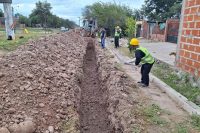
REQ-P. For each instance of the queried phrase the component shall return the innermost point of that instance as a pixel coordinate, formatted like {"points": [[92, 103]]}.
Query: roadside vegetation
{"points": [[21, 38], [154, 115], [181, 84]]}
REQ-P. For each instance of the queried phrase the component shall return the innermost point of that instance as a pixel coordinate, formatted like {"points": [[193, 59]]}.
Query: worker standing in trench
{"points": [[142, 56]]}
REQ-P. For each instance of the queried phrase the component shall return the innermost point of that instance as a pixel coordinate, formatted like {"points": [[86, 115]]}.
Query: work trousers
{"points": [[103, 42], [145, 70], [116, 41]]}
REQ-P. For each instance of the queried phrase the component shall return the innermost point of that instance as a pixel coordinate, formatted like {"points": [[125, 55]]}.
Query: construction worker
{"points": [[117, 36], [145, 58], [91, 25], [103, 37]]}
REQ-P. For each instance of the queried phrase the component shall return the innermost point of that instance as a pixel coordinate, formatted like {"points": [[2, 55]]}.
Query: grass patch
{"points": [[135, 129], [153, 115], [125, 52], [182, 85], [195, 121], [181, 128], [9, 45]]}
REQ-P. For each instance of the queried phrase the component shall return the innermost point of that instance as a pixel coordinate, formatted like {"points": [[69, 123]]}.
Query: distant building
{"points": [[158, 31]]}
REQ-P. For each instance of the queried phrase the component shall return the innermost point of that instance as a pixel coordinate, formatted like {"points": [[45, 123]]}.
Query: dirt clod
{"points": [[4, 130]]}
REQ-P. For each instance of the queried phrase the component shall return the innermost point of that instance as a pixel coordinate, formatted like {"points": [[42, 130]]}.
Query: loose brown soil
{"points": [[93, 105]]}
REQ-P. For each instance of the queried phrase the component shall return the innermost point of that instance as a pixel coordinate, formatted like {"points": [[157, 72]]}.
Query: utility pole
{"points": [[9, 25]]}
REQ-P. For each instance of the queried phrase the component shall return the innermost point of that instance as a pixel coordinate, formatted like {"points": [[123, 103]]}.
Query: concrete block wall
{"points": [[188, 49]]}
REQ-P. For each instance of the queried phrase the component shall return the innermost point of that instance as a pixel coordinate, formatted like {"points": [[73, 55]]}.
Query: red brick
{"points": [[191, 25], [186, 3], [186, 47], [196, 64], [197, 2], [199, 58], [188, 32], [187, 11], [197, 25], [183, 39], [193, 10], [197, 49], [181, 53], [185, 25], [187, 68], [196, 41], [189, 40], [187, 54], [189, 62], [195, 17], [194, 56], [192, 70], [191, 3], [185, 19], [191, 17], [182, 60], [191, 48], [195, 33]]}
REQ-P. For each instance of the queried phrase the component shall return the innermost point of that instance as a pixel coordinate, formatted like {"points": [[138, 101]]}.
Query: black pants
{"points": [[145, 70], [116, 41]]}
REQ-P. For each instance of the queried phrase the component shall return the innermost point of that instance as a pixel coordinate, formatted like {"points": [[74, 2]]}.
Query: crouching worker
{"points": [[142, 56]]}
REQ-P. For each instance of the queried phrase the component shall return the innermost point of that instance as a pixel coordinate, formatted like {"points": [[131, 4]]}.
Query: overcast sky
{"points": [[68, 9]]}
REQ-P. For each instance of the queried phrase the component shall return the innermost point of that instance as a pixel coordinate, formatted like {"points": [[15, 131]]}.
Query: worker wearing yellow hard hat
{"points": [[142, 56]]}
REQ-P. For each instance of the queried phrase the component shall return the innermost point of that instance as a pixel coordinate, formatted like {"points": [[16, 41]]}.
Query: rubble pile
{"points": [[39, 83]]}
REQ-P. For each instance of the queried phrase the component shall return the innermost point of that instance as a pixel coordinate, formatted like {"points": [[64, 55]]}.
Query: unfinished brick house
{"points": [[159, 31], [188, 49]]}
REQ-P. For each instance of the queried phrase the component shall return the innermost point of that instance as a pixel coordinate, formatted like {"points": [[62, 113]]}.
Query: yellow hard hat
{"points": [[117, 27], [134, 42]]}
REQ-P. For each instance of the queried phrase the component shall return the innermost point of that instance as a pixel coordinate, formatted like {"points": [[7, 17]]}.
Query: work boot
{"points": [[142, 85]]}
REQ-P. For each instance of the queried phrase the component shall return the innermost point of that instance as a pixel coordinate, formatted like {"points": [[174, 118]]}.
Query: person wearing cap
{"points": [[103, 37], [117, 36], [142, 56]]}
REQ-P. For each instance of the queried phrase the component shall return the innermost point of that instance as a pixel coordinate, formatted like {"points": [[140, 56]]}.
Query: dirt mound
{"points": [[123, 96], [46, 83], [39, 82]]}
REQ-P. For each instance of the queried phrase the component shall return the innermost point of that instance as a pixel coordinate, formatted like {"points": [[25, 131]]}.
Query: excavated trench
{"points": [[93, 105]]}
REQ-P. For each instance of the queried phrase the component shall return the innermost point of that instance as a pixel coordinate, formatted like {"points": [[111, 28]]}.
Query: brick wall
{"points": [[188, 50], [145, 29], [158, 34]]}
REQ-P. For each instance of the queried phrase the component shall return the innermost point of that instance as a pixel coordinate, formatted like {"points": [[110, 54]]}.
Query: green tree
{"points": [[130, 30], [131, 27], [41, 12], [42, 15], [1, 13], [138, 14], [23, 19], [160, 10], [108, 15]]}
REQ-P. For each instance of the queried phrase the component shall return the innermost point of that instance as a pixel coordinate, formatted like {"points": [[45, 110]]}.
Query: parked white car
{"points": [[63, 29]]}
